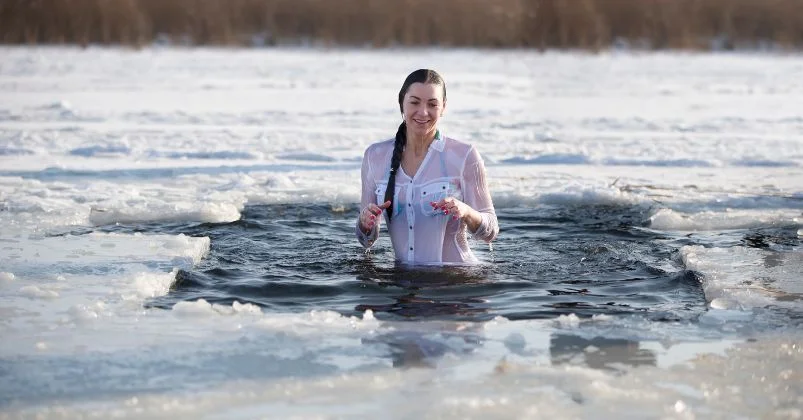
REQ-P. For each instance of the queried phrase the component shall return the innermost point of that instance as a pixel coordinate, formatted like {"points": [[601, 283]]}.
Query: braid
{"points": [[395, 161], [418, 76]]}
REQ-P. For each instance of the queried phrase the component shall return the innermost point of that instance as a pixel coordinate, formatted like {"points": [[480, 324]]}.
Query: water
{"points": [[549, 261], [177, 237]]}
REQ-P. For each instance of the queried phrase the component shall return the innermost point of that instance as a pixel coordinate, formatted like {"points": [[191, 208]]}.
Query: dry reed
{"points": [[587, 24]]}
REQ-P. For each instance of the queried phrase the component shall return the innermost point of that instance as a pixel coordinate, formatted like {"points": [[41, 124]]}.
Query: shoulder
{"points": [[379, 148], [465, 155], [458, 147]]}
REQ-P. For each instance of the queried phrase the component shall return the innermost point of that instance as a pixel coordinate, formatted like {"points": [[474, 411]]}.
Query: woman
{"points": [[431, 188]]}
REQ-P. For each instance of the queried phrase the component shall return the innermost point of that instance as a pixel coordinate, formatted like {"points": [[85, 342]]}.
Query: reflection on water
{"points": [[426, 292], [598, 352], [422, 276], [412, 306], [445, 294], [425, 347], [417, 348]]}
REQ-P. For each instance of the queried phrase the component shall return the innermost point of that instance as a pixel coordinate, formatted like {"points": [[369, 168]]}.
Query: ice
{"points": [[100, 252], [95, 137], [745, 278], [152, 285], [590, 196], [312, 157], [61, 283], [162, 212], [37, 292], [670, 220], [568, 321], [106, 150], [553, 159]]}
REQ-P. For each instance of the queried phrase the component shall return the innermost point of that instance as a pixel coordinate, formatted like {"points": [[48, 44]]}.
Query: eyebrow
{"points": [[416, 97]]}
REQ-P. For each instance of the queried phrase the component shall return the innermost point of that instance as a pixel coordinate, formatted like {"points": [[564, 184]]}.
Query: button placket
{"points": [[410, 221]]}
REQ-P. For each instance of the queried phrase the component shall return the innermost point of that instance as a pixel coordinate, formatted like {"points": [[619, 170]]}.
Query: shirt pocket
{"points": [[437, 191], [380, 189]]}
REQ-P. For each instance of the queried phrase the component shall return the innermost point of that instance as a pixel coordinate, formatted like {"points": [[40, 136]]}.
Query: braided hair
{"points": [[419, 76]]}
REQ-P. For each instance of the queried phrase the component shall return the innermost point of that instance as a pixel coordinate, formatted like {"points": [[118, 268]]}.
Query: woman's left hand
{"points": [[453, 207], [457, 209]]}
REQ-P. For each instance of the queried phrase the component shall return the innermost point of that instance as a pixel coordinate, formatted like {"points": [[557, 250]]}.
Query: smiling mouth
{"points": [[419, 122]]}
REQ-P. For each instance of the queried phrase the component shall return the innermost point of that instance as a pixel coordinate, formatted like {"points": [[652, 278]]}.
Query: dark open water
{"points": [[548, 261]]}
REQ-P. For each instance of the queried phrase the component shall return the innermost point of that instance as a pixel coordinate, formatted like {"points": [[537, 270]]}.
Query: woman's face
{"points": [[422, 107]]}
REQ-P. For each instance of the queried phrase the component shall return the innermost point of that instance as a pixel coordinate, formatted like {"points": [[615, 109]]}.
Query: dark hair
{"points": [[419, 76]]}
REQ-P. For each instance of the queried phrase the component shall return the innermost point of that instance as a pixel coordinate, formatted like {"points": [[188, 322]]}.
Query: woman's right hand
{"points": [[369, 216]]}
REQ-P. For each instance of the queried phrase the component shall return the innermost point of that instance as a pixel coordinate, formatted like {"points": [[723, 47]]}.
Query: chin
{"points": [[421, 130]]}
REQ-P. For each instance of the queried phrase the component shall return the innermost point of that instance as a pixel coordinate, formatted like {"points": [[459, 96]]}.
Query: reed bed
{"points": [[583, 24]]}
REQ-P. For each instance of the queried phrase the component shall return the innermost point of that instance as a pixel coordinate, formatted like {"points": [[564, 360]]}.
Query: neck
{"points": [[419, 144]]}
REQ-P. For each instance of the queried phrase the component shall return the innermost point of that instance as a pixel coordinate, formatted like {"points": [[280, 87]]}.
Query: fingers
{"points": [[449, 207], [370, 215], [377, 210], [372, 211], [368, 222]]}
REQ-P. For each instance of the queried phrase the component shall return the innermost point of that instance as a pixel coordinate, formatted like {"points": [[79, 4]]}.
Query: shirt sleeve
{"points": [[477, 195], [368, 197]]}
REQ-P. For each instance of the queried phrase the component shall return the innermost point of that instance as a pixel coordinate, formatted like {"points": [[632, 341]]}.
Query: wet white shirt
{"points": [[419, 233]]}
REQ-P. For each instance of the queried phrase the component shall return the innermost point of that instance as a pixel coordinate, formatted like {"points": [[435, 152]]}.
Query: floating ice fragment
{"points": [[571, 321], [222, 309], [723, 316], [208, 212], [199, 307], [152, 284], [246, 308], [36, 292], [723, 303], [82, 313], [62, 105], [279, 181]]}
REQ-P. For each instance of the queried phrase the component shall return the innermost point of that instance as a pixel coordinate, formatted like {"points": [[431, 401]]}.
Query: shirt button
{"points": [[411, 227], [411, 248]]}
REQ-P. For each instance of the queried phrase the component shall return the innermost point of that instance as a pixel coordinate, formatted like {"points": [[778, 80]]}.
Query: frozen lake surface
{"points": [[172, 245]]}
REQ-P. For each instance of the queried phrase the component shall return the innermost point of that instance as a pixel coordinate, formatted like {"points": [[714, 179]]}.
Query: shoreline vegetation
{"points": [[541, 24]]}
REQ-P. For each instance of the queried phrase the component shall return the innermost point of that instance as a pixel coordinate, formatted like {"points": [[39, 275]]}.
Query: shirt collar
{"points": [[438, 143]]}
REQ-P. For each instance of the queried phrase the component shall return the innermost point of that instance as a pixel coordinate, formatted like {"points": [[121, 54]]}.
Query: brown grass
{"points": [[587, 24]]}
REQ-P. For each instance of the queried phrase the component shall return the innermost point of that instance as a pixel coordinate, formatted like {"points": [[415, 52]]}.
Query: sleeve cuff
{"points": [[487, 229]]}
